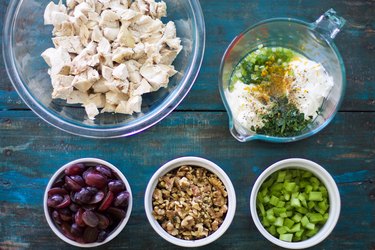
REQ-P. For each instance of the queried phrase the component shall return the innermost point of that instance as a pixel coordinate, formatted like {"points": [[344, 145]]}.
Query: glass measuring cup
{"points": [[313, 40]]}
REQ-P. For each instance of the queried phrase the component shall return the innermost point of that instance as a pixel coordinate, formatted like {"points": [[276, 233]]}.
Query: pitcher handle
{"points": [[329, 24]]}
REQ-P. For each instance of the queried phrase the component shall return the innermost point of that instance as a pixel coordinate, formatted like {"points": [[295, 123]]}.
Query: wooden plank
{"points": [[31, 151], [225, 20]]}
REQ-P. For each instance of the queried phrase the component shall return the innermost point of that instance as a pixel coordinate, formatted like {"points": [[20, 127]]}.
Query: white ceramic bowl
{"points": [[199, 162], [333, 195], [120, 226]]}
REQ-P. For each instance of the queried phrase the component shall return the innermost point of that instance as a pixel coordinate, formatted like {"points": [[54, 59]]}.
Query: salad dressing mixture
{"points": [[276, 91]]}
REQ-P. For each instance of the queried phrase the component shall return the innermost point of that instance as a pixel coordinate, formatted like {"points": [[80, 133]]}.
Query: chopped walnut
{"points": [[190, 202]]}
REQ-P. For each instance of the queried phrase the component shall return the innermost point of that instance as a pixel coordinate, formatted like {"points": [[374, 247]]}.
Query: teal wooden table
{"points": [[31, 150]]}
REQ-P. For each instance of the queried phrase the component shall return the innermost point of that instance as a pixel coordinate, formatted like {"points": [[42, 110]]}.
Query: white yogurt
{"points": [[310, 85]]}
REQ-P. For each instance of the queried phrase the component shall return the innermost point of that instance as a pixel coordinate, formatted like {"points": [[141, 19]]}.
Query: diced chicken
{"points": [[91, 110], [58, 59], [84, 59], [174, 43], [107, 73], [120, 72], [96, 34], [100, 86], [62, 86], [64, 29], [70, 43], [125, 37], [114, 98], [109, 19], [77, 97], [128, 14], [167, 56], [155, 75], [104, 47], [111, 33], [129, 107], [121, 54], [98, 99], [146, 24], [144, 87], [86, 79], [51, 11], [109, 108]]}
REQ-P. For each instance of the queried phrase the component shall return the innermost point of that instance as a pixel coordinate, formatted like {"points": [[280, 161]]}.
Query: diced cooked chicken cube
{"points": [[91, 110]]}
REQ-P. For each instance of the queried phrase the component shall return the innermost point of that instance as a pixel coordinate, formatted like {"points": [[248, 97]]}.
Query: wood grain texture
{"points": [[224, 20], [31, 151]]}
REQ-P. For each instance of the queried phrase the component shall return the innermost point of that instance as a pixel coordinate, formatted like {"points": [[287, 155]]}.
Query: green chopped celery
{"points": [[325, 217], [306, 174], [310, 226], [315, 196], [311, 204], [286, 237], [315, 217], [301, 210], [282, 230], [265, 222], [270, 211], [289, 213], [281, 176], [299, 233], [264, 192], [323, 205], [301, 197], [290, 186], [297, 217], [312, 232], [289, 223], [319, 210], [324, 191], [314, 180], [305, 221], [287, 196], [308, 189], [274, 200], [277, 187], [295, 228], [279, 222], [279, 210], [261, 208], [284, 215], [280, 204], [271, 218], [272, 230], [294, 202], [266, 199]]}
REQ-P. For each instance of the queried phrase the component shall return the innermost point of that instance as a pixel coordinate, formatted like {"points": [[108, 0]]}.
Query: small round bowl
{"points": [[333, 195], [58, 174], [199, 162], [26, 37]]}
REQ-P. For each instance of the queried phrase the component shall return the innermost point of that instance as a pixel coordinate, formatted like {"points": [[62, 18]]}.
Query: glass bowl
{"points": [[26, 37], [313, 40]]}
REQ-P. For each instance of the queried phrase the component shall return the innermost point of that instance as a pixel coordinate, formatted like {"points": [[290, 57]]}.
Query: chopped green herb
{"points": [[284, 119]]}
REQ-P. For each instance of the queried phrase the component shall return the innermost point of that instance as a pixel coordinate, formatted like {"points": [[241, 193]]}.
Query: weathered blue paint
{"points": [[31, 150]]}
